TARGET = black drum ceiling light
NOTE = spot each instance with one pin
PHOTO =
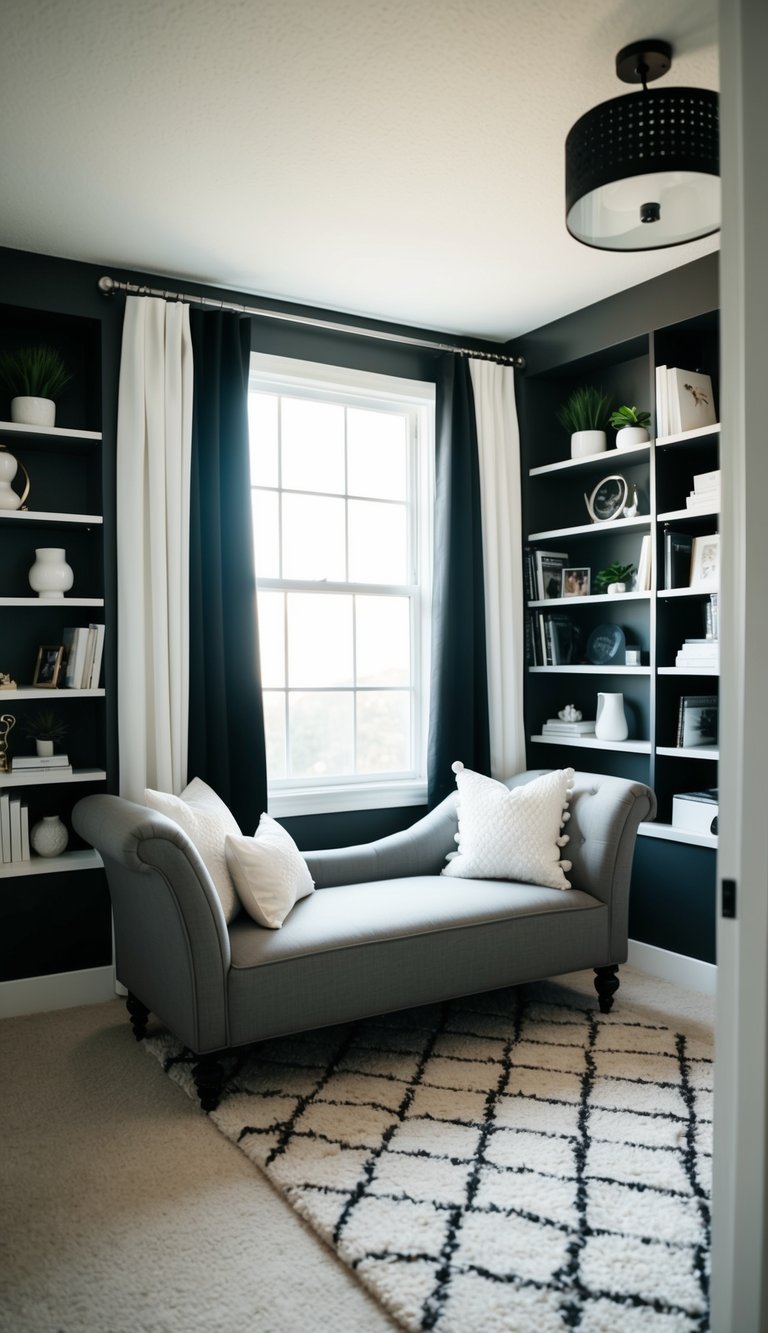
(642, 171)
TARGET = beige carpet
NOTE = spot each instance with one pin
(123, 1210)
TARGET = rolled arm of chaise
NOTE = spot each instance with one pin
(172, 946)
(418, 850)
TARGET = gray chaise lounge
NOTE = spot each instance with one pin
(387, 931)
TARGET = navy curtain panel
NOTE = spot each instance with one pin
(458, 720)
(226, 721)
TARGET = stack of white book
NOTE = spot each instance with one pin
(84, 651)
(14, 830)
(705, 496)
(697, 654)
(555, 726)
(684, 400)
(32, 763)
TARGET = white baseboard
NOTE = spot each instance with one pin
(62, 990)
(668, 966)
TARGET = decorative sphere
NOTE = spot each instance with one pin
(49, 836)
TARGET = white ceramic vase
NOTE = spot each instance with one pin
(49, 836)
(8, 469)
(26, 411)
(51, 576)
(43, 749)
(611, 721)
(630, 436)
(585, 442)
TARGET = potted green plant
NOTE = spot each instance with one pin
(34, 377)
(613, 579)
(632, 426)
(585, 415)
(45, 728)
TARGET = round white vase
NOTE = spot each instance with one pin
(49, 836)
(28, 411)
(630, 436)
(585, 442)
(50, 576)
(611, 721)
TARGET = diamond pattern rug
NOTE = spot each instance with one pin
(495, 1164)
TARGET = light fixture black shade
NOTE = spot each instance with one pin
(642, 171)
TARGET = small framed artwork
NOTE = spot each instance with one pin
(705, 561)
(50, 658)
(608, 499)
(576, 582)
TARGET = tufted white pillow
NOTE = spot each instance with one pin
(269, 872)
(206, 820)
(511, 834)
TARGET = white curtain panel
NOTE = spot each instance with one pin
(154, 447)
(498, 443)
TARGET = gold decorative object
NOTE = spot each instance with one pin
(6, 682)
(7, 722)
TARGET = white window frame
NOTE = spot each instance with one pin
(276, 374)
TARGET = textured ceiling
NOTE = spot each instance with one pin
(400, 159)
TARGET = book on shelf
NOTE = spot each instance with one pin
(705, 483)
(23, 762)
(690, 401)
(711, 619)
(15, 813)
(5, 827)
(554, 726)
(25, 852)
(697, 721)
(677, 558)
(75, 640)
(549, 570)
(555, 640)
(661, 401)
(645, 565)
(696, 811)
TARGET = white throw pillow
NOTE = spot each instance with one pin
(511, 834)
(269, 872)
(206, 820)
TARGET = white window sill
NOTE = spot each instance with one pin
(333, 800)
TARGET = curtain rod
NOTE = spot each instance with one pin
(109, 286)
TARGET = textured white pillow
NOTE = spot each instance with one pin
(269, 872)
(206, 820)
(511, 834)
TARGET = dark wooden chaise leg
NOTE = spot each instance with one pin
(606, 985)
(208, 1073)
(139, 1014)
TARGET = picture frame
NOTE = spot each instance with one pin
(608, 498)
(576, 581)
(705, 561)
(50, 660)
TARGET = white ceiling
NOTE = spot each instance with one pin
(400, 159)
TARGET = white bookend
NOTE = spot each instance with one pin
(15, 813)
(5, 827)
(25, 852)
(98, 653)
(662, 425)
(75, 641)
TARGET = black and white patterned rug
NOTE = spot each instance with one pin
(498, 1164)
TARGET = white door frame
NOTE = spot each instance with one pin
(740, 1253)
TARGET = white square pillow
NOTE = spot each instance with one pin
(206, 820)
(269, 872)
(511, 834)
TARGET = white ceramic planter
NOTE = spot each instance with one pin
(585, 442)
(44, 749)
(614, 589)
(630, 436)
(49, 837)
(33, 411)
(50, 576)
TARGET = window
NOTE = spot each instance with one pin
(341, 476)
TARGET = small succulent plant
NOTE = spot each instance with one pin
(615, 573)
(629, 416)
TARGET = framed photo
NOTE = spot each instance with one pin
(705, 561)
(608, 499)
(576, 582)
(50, 659)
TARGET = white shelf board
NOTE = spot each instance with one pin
(591, 597)
(685, 592)
(49, 602)
(689, 671)
(85, 859)
(591, 743)
(595, 670)
(642, 522)
(43, 693)
(49, 776)
(47, 432)
(677, 515)
(46, 516)
(669, 834)
(590, 460)
(688, 436)
(691, 752)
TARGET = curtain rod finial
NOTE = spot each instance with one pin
(107, 285)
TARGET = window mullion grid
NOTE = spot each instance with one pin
(286, 695)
